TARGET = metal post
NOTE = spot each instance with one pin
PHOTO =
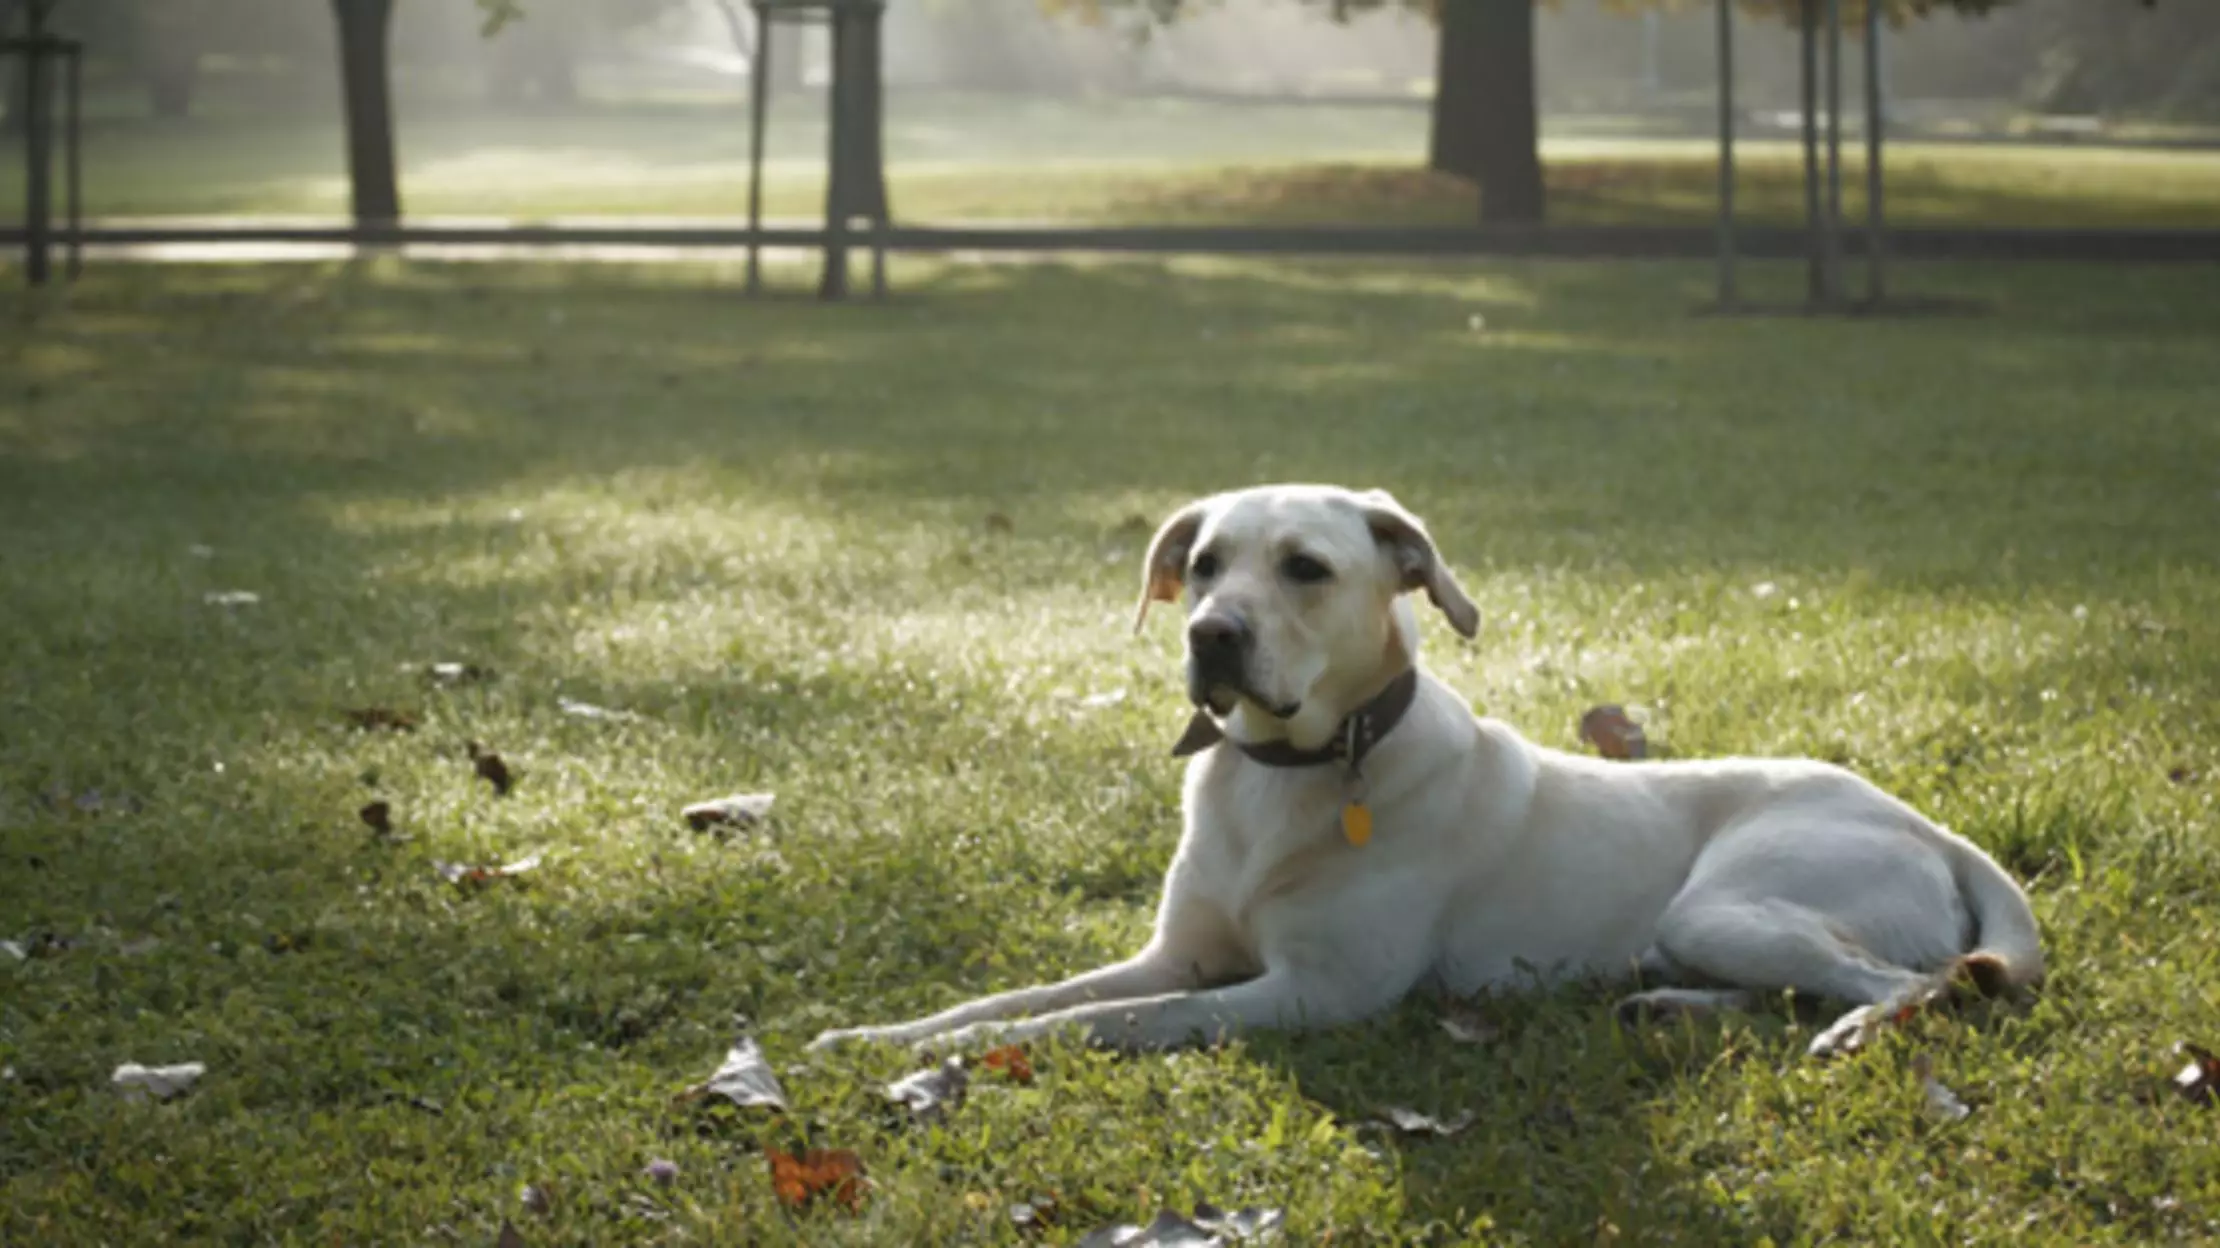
(1834, 151)
(1808, 60)
(1876, 122)
(38, 156)
(839, 184)
(73, 160)
(759, 99)
(1726, 154)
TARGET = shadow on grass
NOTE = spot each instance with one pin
(855, 555)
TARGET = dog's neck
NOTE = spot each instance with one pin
(1354, 736)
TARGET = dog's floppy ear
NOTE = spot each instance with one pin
(1164, 569)
(1420, 564)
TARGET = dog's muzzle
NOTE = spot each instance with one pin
(1220, 648)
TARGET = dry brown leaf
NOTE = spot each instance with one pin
(1614, 734)
(740, 810)
(1412, 1122)
(464, 875)
(490, 767)
(745, 1079)
(1010, 1059)
(834, 1172)
(2198, 1081)
(930, 1093)
(1941, 1101)
(138, 1082)
(456, 673)
(382, 719)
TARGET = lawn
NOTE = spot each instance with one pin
(954, 157)
(879, 561)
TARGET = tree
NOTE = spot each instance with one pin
(366, 91)
(1485, 125)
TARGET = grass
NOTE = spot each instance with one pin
(874, 559)
(1123, 161)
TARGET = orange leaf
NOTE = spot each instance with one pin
(1613, 733)
(799, 1180)
(1010, 1060)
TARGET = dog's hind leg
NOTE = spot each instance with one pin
(1769, 945)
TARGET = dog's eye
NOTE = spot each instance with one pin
(1204, 567)
(1305, 570)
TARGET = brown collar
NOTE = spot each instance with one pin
(1357, 734)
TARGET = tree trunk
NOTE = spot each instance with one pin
(1485, 123)
(367, 89)
(13, 83)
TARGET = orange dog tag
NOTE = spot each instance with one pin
(1356, 823)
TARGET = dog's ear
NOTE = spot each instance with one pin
(1164, 568)
(1419, 564)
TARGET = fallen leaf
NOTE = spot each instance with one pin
(383, 718)
(1411, 1122)
(1010, 1060)
(38, 945)
(2198, 1081)
(490, 767)
(1467, 1025)
(465, 875)
(744, 1080)
(231, 598)
(1039, 1213)
(138, 1082)
(587, 710)
(1613, 733)
(737, 811)
(1941, 1101)
(930, 1093)
(456, 673)
(1241, 1223)
(1172, 1229)
(379, 815)
(510, 1236)
(818, 1171)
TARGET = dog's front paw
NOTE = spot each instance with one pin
(847, 1038)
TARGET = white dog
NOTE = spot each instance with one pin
(1352, 831)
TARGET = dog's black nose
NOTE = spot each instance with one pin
(1218, 641)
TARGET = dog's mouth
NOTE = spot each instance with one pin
(1220, 700)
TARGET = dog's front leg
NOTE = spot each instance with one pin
(1153, 971)
(1283, 998)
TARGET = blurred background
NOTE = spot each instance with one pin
(2039, 112)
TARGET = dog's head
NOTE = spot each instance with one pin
(1295, 612)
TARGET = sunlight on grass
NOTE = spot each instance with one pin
(881, 562)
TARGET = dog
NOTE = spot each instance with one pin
(1352, 832)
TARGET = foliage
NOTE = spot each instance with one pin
(763, 527)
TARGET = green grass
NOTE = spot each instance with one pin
(1159, 161)
(872, 559)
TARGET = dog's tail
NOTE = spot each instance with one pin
(2007, 949)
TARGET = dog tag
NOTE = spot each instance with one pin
(1356, 823)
